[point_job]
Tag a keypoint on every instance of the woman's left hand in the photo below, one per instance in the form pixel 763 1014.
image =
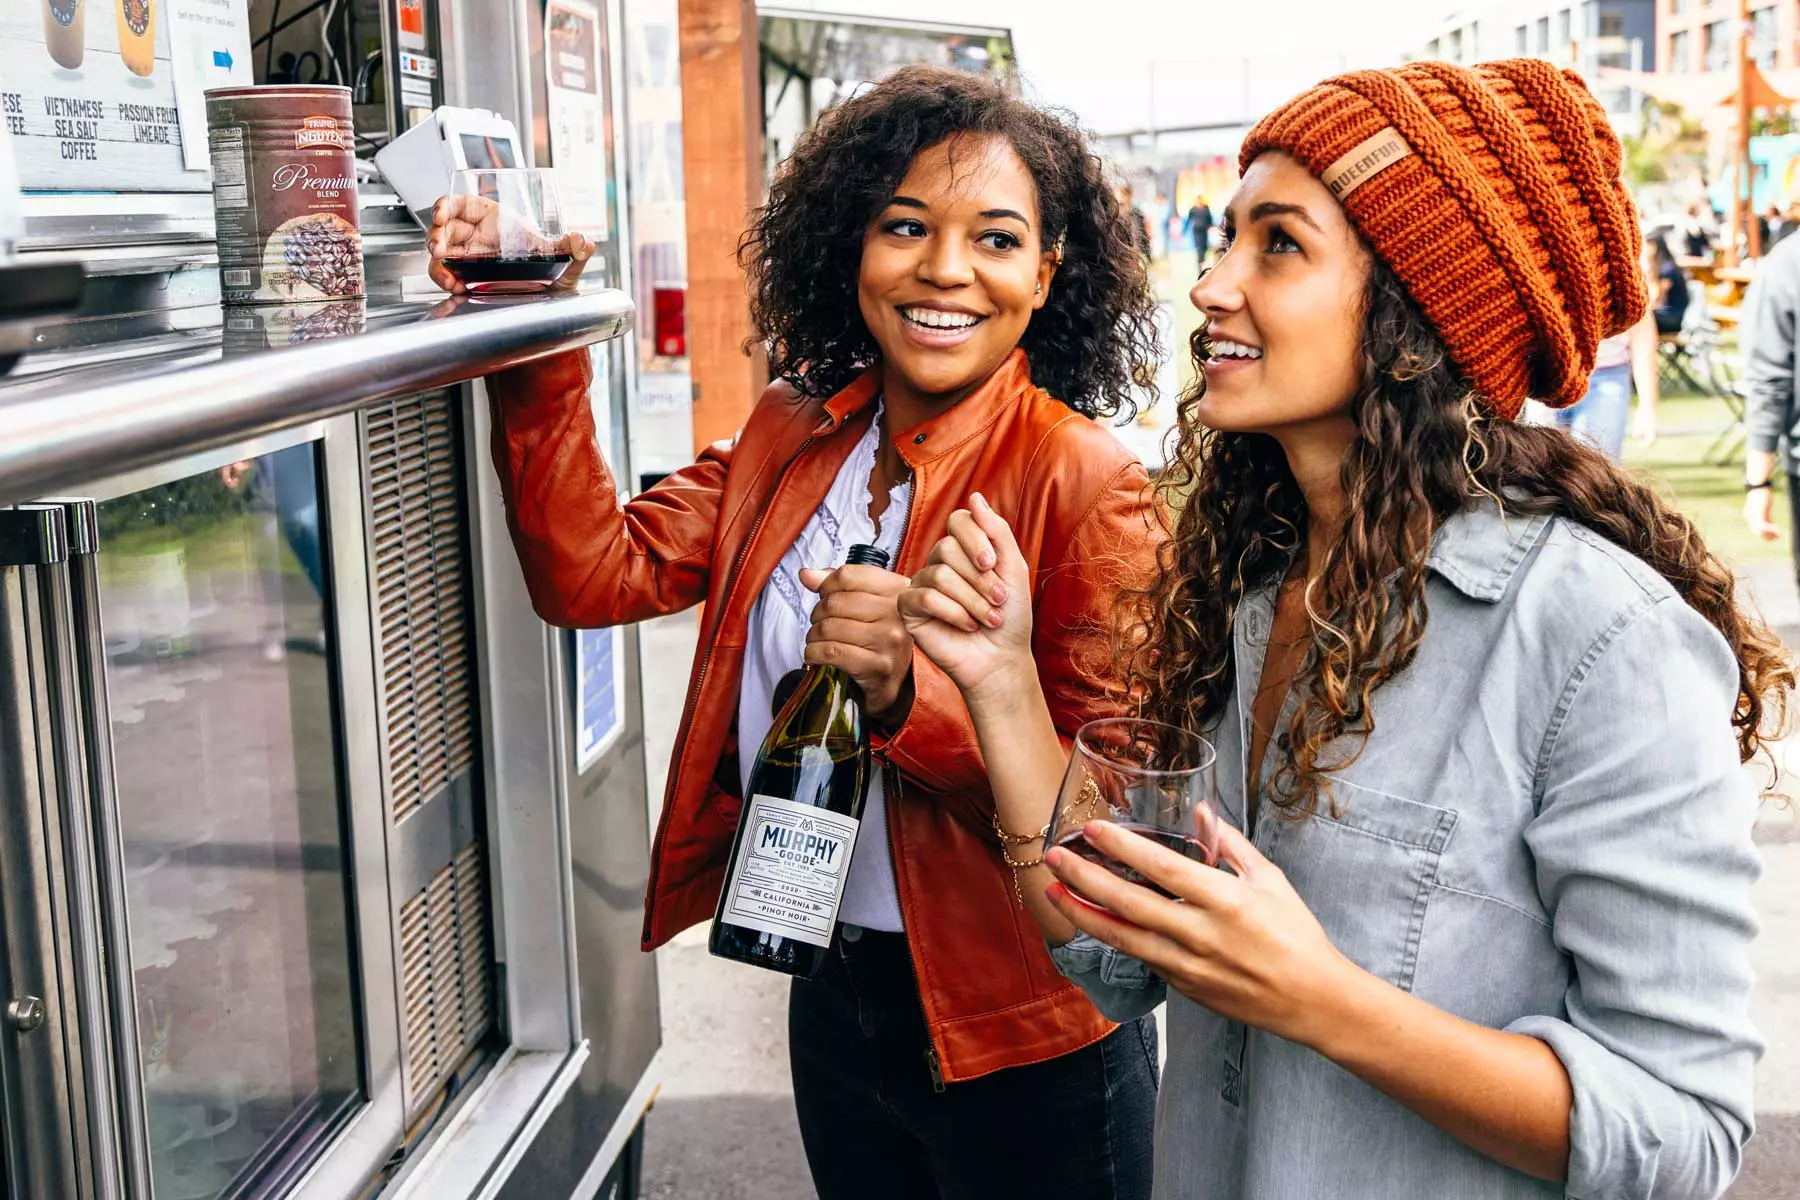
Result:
pixel 856 625
pixel 1245 945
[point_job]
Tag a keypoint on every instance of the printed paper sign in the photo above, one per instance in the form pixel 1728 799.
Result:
pixel 209 41
pixel 89 91
pixel 577 113
pixel 599 659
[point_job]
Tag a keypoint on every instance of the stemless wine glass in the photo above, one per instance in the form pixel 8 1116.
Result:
pixel 510 236
pixel 1153 779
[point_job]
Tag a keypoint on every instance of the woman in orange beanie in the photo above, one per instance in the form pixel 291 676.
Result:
pixel 1479 699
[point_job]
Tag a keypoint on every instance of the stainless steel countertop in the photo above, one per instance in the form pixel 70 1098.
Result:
pixel 68 418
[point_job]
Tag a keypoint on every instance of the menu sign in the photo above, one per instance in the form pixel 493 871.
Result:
pixel 577 113
pixel 90 88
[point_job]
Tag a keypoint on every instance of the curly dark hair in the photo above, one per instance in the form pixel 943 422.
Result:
pixel 1095 338
pixel 1427 447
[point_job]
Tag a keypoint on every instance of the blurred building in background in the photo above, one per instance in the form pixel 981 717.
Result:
pixel 1587 35
pixel 811 60
pixel 1695 36
pixel 1197 112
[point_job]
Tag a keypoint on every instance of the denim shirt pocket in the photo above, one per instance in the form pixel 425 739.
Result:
pixel 1365 863
pixel 1123 971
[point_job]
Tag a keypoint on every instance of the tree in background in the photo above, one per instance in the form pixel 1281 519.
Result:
pixel 1670 149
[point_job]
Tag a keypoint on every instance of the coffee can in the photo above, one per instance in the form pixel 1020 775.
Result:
pixel 284 193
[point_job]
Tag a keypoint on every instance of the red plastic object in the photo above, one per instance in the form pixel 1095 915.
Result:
pixel 668 325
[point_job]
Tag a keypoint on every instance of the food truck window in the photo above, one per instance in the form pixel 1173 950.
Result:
pixel 214 593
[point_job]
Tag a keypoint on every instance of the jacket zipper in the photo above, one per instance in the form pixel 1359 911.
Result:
pixel 900 557
pixel 895 788
pixel 737 563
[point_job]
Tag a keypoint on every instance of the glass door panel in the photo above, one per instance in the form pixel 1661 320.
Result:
pixel 214 599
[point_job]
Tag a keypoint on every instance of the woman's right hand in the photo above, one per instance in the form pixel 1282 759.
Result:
pixel 1759 513
pixel 969 609
pixel 465 226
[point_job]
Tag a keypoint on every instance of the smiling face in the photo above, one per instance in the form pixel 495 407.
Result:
pixel 953 267
pixel 1284 307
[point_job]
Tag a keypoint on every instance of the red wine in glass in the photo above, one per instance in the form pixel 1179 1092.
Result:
pixel 1188 847
pixel 493 272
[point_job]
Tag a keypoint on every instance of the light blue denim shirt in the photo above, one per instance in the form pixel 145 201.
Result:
pixel 1548 832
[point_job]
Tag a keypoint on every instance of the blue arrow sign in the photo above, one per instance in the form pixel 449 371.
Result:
pixel 222 58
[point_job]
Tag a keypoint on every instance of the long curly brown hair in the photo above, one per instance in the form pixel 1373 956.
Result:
pixel 1094 345
pixel 1427 448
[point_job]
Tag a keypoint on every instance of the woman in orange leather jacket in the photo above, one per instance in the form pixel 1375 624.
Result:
pixel 949 294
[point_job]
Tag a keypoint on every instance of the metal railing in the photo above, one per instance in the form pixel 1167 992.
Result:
pixel 56 438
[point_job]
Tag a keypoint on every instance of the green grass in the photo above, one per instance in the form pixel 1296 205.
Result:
pixel 222 544
pixel 1709 491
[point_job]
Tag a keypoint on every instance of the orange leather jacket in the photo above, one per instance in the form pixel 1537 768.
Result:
pixel 713 533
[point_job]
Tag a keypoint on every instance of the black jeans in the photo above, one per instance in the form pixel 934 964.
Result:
pixel 1793 490
pixel 877 1125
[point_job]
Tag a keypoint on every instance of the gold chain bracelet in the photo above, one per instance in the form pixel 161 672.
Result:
pixel 1008 841
pixel 1019 864
pixel 1019 839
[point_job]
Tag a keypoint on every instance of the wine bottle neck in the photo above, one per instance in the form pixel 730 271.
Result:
pixel 837 677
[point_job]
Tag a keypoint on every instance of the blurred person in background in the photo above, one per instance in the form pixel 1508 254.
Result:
pixel 1697 233
pixel 1779 225
pixel 1480 698
pixel 1199 225
pixel 949 291
pixel 1603 414
pixel 1140 224
pixel 1771 421
pixel 1668 285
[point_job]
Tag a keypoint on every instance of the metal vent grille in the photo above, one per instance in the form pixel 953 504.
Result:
pixel 444 973
pixel 420 572
pixel 421 588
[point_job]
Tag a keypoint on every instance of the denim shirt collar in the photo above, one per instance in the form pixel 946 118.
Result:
pixel 1479 550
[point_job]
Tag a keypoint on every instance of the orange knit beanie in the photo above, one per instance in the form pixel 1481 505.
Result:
pixel 1494 195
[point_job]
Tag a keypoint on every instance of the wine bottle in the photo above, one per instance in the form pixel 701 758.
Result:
pixel 791 853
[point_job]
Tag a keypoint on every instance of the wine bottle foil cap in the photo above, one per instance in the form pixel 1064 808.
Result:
pixel 865 555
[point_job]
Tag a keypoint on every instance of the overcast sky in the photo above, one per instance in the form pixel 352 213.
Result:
pixel 1112 60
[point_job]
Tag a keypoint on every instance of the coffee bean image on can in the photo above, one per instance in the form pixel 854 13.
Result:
pixel 284 194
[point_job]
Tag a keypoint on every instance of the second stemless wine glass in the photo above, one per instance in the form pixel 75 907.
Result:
pixel 511 236
pixel 1155 780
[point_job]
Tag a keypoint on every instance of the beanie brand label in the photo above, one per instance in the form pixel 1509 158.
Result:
pixel 1369 157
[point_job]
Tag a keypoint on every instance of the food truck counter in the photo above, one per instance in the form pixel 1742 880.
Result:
pixel 236 373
